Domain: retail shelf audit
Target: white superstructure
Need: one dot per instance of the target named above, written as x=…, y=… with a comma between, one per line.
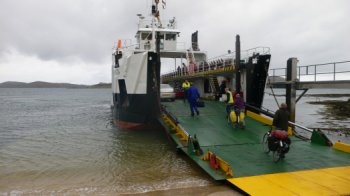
x=136, y=68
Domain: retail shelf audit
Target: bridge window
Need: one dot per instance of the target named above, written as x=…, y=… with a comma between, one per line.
x=170, y=37
x=146, y=36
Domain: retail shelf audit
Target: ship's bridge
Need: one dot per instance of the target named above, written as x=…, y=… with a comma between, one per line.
x=168, y=38
x=168, y=34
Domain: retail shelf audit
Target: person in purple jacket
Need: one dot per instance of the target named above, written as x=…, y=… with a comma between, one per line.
x=193, y=96
x=239, y=103
x=239, y=107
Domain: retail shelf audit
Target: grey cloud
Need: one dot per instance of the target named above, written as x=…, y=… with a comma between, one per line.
x=63, y=30
x=313, y=30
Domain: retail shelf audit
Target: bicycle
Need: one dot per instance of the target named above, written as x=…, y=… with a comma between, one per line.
x=277, y=142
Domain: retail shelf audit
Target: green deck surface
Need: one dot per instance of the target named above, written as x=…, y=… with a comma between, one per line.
x=242, y=149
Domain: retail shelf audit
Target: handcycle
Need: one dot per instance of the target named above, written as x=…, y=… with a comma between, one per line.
x=276, y=141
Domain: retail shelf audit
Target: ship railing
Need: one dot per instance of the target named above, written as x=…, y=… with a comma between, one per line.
x=166, y=24
x=262, y=50
x=225, y=62
x=314, y=73
x=201, y=68
x=124, y=44
x=221, y=61
x=212, y=64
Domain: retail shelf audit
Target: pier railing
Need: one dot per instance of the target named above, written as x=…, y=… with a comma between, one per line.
x=334, y=71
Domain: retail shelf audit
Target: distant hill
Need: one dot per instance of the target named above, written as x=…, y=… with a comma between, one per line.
x=101, y=85
x=40, y=84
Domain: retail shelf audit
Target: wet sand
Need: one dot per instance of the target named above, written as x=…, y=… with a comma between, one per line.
x=212, y=190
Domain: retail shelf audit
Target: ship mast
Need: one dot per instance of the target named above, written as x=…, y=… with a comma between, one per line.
x=156, y=15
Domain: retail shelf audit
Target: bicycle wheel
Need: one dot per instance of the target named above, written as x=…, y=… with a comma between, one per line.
x=276, y=156
x=264, y=143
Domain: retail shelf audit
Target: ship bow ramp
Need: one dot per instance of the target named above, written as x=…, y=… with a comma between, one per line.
x=239, y=157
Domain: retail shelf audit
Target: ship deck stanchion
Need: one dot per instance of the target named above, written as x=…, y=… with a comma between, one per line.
x=242, y=151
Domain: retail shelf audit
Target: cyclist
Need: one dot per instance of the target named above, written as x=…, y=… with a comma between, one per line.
x=281, y=117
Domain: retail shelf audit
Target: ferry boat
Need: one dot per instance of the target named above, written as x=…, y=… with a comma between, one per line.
x=136, y=70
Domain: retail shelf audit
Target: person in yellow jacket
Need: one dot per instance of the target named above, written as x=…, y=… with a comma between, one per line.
x=185, y=85
x=229, y=101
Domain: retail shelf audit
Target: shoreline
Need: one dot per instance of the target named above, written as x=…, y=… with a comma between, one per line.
x=211, y=190
x=334, y=109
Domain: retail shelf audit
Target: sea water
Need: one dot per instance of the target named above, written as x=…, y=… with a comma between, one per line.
x=62, y=141
x=58, y=141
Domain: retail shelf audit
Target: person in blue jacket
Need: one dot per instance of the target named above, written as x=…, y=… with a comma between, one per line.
x=193, y=96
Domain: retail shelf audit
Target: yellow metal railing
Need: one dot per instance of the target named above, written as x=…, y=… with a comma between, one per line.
x=342, y=146
x=180, y=133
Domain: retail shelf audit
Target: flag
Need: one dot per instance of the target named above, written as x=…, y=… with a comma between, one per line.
x=163, y=4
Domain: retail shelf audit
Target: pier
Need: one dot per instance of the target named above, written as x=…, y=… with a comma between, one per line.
x=325, y=75
x=294, y=78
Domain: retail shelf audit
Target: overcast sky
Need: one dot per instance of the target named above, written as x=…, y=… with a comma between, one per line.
x=71, y=40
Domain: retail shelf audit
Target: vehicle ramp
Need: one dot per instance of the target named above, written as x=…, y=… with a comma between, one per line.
x=239, y=155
